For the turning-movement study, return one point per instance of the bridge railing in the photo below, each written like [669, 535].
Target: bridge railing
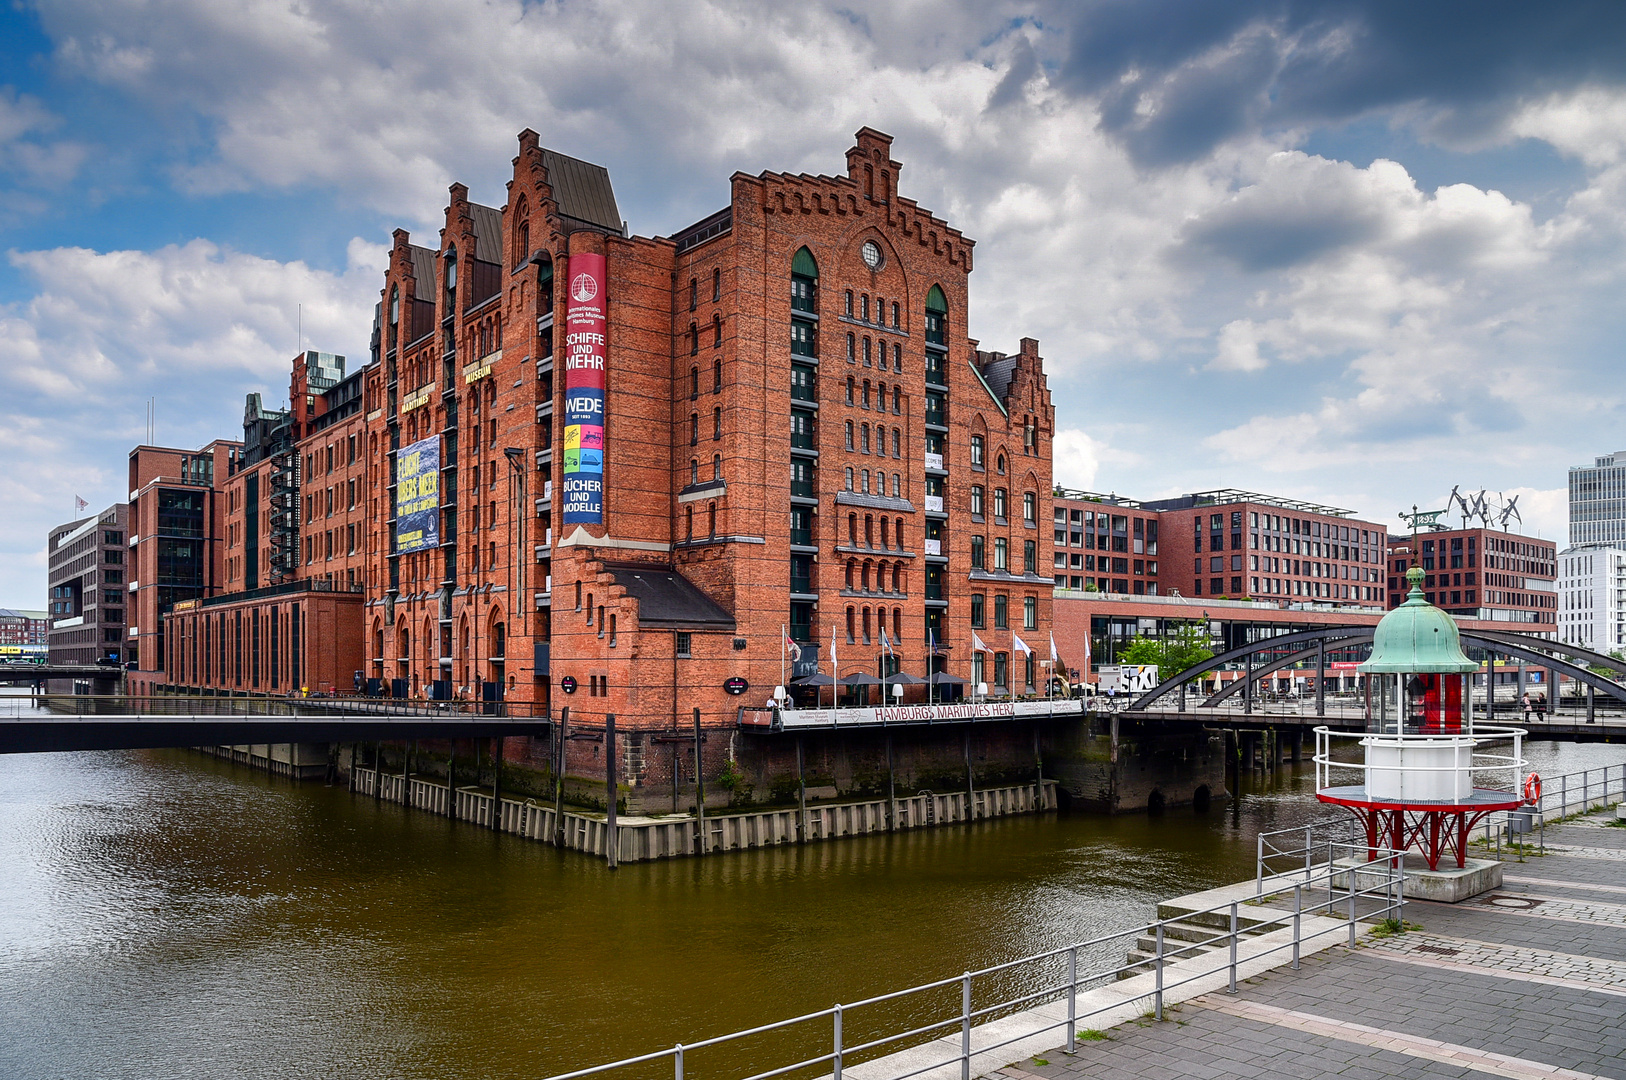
[1045, 997]
[266, 705]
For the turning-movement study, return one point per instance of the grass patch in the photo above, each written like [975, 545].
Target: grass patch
[1041, 1061]
[1092, 1035]
[1392, 927]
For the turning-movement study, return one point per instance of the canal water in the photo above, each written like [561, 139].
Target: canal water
[166, 914]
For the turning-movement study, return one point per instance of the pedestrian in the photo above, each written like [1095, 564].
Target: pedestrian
[1525, 701]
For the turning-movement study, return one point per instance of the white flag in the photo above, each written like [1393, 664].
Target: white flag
[1054, 659]
[978, 644]
[1018, 645]
[832, 652]
[886, 646]
[791, 647]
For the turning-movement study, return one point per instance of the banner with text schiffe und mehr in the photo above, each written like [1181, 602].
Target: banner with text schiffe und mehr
[417, 496]
[585, 326]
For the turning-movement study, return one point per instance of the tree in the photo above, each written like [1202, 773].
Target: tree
[1611, 673]
[1185, 646]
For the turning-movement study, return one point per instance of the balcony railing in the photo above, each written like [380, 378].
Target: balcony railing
[802, 488]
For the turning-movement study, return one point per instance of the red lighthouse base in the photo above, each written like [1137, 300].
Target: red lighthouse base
[1433, 829]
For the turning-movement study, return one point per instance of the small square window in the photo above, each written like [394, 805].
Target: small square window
[682, 644]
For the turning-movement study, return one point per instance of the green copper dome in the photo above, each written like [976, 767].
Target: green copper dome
[1417, 637]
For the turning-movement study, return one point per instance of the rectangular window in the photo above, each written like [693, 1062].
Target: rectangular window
[1030, 613]
[978, 614]
[1001, 612]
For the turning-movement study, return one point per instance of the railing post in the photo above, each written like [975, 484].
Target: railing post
[1258, 868]
[1307, 853]
[1231, 989]
[1072, 1000]
[1157, 962]
[1352, 906]
[965, 1027]
[835, 1058]
[1297, 908]
[677, 1062]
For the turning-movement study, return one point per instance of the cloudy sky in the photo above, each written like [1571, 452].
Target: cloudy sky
[1348, 251]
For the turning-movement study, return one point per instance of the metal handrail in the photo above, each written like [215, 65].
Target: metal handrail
[1582, 788]
[1341, 900]
[1477, 762]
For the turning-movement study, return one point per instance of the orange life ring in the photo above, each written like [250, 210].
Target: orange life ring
[1532, 788]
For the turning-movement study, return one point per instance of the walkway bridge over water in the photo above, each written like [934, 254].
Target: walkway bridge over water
[58, 722]
[1592, 707]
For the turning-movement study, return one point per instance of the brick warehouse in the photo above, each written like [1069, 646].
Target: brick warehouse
[612, 472]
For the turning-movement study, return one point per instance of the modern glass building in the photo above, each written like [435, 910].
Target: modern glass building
[1598, 502]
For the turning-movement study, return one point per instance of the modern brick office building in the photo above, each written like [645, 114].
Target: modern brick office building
[1482, 574]
[1105, 543]
[87, 568]
[23, 626]
[1242, 545]
[176, 528]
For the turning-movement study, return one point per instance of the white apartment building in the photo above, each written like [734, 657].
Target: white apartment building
[1592, 598]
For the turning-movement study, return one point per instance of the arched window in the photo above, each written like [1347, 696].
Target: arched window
[897, 614]
[849, 306]
[717, 283]
[863, 581]
[850, 444]
[865, 477]
[688, 523]
[897, 400]
[894, 315]
[999, 464]
[976, 452]
[866, 393]
[852, 572]
[717, 423]
[694, 383]
[1029, 507]
[717, 331]
[717, 376]
[694, 471]
[694, 340]
[852, 519]
[867, 354]
[866, 626]
[849, 484]
[897, 356]
[694, 429]
[863, 307]
[897, 486]
[897, 442]
[711, 519]
[850, 385]
[936, 316]
[852, 348]
[863, 438]
[717, 466]
[885, 529]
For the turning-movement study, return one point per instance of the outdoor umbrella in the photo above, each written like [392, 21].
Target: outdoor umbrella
[860, 678]
[905, 679]
[821, 679]
[943, 678]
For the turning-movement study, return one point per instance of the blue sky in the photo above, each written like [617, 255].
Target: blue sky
[1349, 251]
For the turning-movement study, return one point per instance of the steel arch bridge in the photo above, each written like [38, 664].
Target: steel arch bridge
[1263, 658]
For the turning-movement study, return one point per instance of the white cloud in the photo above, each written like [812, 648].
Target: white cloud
[194, 326]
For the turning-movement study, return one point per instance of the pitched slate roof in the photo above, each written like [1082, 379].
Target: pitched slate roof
[583, 192]
[668, 599]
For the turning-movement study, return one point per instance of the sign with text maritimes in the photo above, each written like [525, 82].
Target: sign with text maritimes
[417, 496]
[585, 361]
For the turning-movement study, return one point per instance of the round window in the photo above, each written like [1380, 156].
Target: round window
[871, 251]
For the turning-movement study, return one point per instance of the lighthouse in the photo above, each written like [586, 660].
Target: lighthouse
[1410, 777]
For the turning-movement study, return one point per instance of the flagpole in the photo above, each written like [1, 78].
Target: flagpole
[1011, 674]
[784, 636]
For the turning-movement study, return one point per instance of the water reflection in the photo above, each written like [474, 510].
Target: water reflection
[168, 914]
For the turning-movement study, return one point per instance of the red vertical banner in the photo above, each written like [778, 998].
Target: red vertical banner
[585, 361]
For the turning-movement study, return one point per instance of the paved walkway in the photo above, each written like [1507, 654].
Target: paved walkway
[1529, 983]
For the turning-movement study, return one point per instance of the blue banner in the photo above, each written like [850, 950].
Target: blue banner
[417, 496]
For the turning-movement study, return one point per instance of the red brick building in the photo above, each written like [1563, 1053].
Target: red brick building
[1106, 543]
[794, 437]
[288, 617]
[177, 526]
[1242, 545]
[1484, 574]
